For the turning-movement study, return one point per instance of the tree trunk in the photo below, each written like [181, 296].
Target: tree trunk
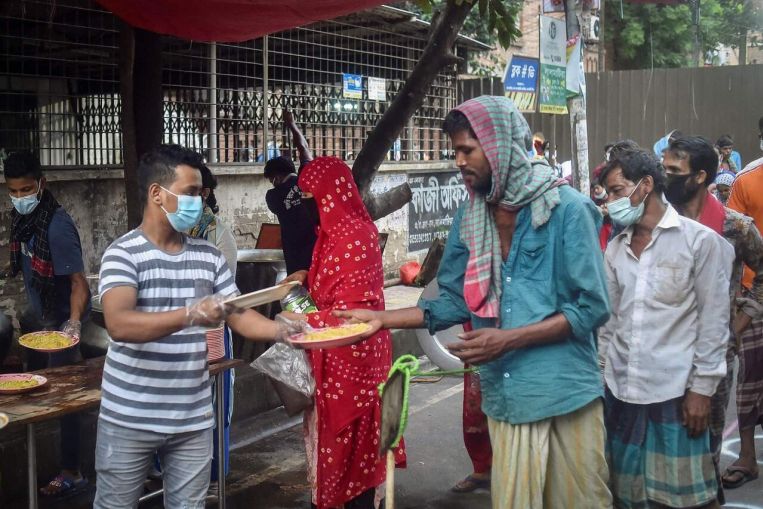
[141, 91]
[437, 54]
[743, 48]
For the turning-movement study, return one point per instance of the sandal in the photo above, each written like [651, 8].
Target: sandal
[470, 484]
[61, 486]
[747, 476]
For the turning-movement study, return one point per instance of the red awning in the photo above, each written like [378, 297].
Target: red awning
[229, 20]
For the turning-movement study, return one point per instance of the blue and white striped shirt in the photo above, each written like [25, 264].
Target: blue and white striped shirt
[162, 385]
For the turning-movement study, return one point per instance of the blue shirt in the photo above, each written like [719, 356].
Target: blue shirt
[555, 269]
[737, 160]
[66, 252]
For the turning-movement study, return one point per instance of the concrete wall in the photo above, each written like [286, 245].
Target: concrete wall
[96, 201]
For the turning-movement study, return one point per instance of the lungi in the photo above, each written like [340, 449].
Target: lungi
[556, 463]
[653, 459]
[750, 377]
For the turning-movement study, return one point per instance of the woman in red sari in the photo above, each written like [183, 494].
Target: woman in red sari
[342, 429]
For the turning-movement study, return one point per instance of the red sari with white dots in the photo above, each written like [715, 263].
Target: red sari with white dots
[342, 431]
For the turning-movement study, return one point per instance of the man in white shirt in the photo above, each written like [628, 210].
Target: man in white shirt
[665, 343]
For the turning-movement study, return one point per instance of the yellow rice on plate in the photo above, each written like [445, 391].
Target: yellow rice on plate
[45, 341]
[9, 385]
[342, 331]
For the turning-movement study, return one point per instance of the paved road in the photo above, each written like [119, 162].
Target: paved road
[437, 459]
[270, 473]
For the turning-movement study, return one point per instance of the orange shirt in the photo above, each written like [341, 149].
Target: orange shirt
[747, 198]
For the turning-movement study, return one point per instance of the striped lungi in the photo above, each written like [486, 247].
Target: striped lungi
[652, 458]
[556, 463]
[750, 377]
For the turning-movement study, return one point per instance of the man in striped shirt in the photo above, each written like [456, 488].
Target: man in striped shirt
[159, 289]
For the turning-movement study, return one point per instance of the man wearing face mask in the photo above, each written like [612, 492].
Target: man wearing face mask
[690, 164]
[160, 290]
[290, 206]
[665, 343]
[45, 248]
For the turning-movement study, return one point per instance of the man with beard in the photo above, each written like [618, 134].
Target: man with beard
[691, 164]
[523, 263]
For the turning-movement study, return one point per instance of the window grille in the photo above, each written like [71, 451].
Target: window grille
[59, 87]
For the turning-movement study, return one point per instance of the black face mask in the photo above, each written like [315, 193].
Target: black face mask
[681, 189]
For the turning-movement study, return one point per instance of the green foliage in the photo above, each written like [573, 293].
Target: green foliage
[493, 22]
[740, 17]
[663, 35]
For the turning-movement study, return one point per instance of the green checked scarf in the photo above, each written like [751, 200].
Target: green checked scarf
[518, 180]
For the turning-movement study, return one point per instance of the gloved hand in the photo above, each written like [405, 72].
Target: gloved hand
[287, 328]
[72, 328]
[209, 311]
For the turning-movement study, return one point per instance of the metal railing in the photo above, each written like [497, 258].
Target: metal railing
[59, 82]
[59, 88]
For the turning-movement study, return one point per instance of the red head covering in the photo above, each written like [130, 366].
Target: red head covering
[346, 273]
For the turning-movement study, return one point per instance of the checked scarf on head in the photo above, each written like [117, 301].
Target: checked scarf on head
[518, 180]
[23, 228]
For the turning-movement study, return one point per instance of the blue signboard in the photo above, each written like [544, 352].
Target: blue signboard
[520, 82]
[352, 86]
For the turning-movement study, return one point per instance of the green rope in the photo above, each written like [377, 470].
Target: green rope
[408, 366]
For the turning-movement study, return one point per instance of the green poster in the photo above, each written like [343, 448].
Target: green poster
[553, 66]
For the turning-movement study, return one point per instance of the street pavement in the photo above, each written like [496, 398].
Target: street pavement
[270, 473]
[436, 460]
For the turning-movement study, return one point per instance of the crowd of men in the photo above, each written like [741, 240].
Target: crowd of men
[605, 328]
[663, 313]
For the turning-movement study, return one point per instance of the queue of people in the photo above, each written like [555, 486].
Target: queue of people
[667, 300]
[605, 362]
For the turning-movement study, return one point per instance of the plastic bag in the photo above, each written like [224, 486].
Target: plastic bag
[287, 365]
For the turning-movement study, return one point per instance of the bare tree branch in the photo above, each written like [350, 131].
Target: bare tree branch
[437, 54]
[386, 203]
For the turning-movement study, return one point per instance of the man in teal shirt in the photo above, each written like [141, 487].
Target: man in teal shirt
[522, 262]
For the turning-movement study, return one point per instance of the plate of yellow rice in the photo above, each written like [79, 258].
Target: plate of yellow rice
[15, 383]
[48, 341]
[330, 337]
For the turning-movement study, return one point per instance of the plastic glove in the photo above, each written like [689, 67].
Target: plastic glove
[209, 311]
[288, 328]
[72, 328]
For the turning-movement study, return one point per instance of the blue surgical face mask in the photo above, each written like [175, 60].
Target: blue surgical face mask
[26, 204]
[623, 213]
[187, 214]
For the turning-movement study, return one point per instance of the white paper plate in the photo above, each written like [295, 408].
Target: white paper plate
[264, 296]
